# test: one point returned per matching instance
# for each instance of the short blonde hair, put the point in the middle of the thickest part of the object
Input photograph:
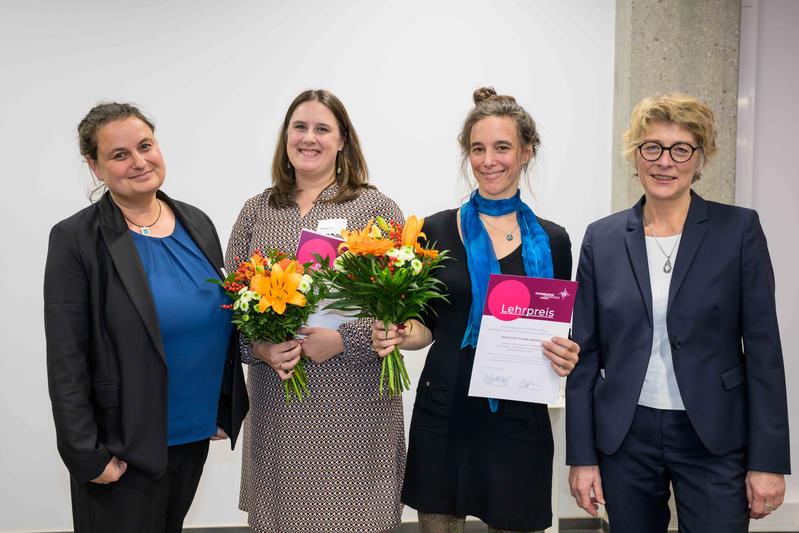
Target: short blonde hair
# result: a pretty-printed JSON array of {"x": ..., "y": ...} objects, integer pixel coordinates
[{"x": 681, "y": 109}]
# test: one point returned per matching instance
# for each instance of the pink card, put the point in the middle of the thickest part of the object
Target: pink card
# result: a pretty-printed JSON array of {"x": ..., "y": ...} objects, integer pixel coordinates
[{"x": 312, "y": 243}]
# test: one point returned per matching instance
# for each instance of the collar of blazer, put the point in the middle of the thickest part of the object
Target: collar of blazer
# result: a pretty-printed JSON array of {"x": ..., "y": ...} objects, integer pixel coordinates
[
  {"x": 693, "y": 232},
  {"x": 126, "y": 260}
]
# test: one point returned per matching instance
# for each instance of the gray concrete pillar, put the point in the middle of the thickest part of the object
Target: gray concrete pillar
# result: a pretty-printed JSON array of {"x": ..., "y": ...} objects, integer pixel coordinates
[{"x": 689, "y": 46}]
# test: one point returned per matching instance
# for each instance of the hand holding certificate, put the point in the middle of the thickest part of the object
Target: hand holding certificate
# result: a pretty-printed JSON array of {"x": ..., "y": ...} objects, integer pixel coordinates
[{"x": 519, "y": 314}]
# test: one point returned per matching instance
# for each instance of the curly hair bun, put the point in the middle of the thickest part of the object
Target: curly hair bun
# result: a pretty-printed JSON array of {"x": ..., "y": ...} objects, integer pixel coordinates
[
  {"x": 488, "y": 93},
  {"x": 482, "y": 94}
]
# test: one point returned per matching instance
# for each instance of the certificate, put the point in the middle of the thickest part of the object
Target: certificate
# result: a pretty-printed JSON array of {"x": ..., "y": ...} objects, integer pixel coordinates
[
  {"x": 312, "y": 242},
  {"x": 519, "y": 313}
]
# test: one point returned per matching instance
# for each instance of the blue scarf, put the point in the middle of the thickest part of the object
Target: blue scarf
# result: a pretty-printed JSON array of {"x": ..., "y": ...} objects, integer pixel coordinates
[{"x": 482, "y": 261}]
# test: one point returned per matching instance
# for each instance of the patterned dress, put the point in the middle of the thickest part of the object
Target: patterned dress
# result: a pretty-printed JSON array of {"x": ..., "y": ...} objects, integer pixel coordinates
[{"x": 334, "y": 462}]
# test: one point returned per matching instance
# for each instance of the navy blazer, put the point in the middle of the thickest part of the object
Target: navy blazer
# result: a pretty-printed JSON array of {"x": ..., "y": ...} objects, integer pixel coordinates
[
  {"x": 105, "y": 358},
  {"x": 722, "y": 325}
]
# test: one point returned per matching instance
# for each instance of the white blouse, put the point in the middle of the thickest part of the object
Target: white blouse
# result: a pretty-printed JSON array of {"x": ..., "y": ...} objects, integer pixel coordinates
[{"x": 660, "y": 389}]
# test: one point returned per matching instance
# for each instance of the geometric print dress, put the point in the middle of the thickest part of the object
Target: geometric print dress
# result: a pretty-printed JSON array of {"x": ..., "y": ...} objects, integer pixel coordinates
[{"x": 335, "y": 461}]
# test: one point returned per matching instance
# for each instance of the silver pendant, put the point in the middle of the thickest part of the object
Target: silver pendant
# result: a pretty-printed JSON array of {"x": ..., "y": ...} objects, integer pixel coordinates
[
  {"x": 667, "y": 266},
  {"x": 509, "y": 237},
  {"x": 145, "y": 230}
]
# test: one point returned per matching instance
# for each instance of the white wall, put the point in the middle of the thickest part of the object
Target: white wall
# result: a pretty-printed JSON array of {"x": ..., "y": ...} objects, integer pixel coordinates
[
  {"x": 217, "y": 80},
  {"x": 768, "y": 181}
]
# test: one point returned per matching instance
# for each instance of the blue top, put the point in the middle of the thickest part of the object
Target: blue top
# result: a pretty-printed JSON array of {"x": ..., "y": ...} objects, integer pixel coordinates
[{"x": 194, "y": 328}]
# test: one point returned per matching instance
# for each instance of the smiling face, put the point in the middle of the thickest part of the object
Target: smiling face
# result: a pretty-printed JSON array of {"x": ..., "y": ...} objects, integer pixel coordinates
[
  {"x": 496, "y": 157},
  {"x": 313, "y": 139},
  {"x": 664, "y": 180},
  {"x": 128, "y": 160}
]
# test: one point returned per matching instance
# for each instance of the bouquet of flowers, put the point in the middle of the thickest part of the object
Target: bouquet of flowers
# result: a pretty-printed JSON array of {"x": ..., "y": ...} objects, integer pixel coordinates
[
  {"x": 383, "y": 273},
  {"x": 273, "y": 297}
]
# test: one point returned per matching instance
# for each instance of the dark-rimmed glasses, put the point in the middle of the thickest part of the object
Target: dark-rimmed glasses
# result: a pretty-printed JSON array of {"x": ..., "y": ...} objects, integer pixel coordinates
[{"x": 679, "y": 152}]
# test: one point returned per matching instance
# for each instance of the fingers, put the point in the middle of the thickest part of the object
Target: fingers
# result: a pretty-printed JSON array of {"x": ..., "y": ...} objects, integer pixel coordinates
[
  {"x": 220, "y": 434},
  {"x": 765, "y": 492},
  {"x": 582, "y": 481},
  {"x": 385, "y": 339},
  {"x": 112, "y": 472},
  {"x": 562, "y": 353}
]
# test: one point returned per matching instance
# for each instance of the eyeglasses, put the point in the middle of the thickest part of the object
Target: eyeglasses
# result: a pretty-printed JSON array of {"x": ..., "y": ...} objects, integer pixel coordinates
[{"x": 679, "y": 152}]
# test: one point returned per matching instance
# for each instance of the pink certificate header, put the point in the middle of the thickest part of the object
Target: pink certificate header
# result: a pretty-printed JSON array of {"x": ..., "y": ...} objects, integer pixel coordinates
[{"x": 512, "y": 297}]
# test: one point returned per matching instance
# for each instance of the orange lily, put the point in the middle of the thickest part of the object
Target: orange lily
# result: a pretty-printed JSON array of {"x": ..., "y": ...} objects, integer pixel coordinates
[
  {"x": 364, "y": 242},
  {"x": 412, "y": 231},
  {"x": 279, "y": 289},
  {"x": 431, "y": 253},
  {"x": 257, "y": 263}
]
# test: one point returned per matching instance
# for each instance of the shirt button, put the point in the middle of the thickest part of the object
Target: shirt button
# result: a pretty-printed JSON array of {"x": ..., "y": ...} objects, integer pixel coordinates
[
  {"x": 426, "y": 383},
  {"x": 676, "y": 345}
]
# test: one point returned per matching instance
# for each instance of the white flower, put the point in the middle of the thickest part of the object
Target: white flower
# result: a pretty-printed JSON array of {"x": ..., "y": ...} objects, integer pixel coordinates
[
  {"x": 397, "y": 255},
  {"x": 338, "y": 264},
  {"x": 245, "y": 306},
  {"x": 416, "y": 266},
  {"x": 305, "y": 284},
  {"x": 406, "y": 253}
]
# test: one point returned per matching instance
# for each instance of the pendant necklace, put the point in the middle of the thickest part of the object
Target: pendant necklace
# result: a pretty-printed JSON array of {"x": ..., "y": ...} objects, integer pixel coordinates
[
  {"x": 508, "y": 236},
  {"x": 145, "y": 230},
  {"x": 667, "y": 265}
]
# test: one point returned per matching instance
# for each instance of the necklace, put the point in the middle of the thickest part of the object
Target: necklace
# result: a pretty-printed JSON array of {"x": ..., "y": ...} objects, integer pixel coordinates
[
  {"x": 145, "y": 230},
  {"x": 667, "y": 264},
  {"x": 508, "y": 236}
]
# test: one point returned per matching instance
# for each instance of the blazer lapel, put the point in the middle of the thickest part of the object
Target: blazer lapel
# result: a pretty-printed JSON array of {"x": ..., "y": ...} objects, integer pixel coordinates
[
  {"x": 200, "y": 231},
  {"x": 636, "y": 251},
  {"x": 128, "y": 266},
  {"x": 693, "y": 231}
]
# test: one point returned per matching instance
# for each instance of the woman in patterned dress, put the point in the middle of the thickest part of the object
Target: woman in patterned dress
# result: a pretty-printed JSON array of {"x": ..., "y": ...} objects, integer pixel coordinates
[
  {"x": 471, "y": 456},
  {"x": 333, "y": 462}
]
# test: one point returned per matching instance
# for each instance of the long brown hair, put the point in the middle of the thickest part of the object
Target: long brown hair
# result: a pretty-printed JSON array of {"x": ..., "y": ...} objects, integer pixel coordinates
[{"x": 354, "y": 175}]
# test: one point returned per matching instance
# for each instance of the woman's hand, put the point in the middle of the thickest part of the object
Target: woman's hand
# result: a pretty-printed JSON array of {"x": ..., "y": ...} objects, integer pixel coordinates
[
  {"x": 413, "y": 335},
  {"x": 282, "y": 357},
  {"x": 562, "y": 353},
  {"x": 385, "y": 339},
  {"x": 585, "y": 484},
  {"x": 220, "y": 434},
  {"x": 113, "y": 471},
  {"x": 321, "y": 344}
]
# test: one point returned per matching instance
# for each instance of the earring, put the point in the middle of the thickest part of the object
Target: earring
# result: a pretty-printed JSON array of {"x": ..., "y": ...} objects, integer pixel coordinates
[
  {"x": 288, "y": 165},
  {"x": 338, "y": 163}
]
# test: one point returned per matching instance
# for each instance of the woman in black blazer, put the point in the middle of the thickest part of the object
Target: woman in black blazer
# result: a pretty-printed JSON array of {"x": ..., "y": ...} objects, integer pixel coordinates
[
  {"x": 142, "y": 362},
  {"x": 468, "y": 455}
]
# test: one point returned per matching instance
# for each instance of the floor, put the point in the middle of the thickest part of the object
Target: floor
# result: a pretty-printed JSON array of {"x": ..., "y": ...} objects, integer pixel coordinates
[{"x": 588, "y": 525}]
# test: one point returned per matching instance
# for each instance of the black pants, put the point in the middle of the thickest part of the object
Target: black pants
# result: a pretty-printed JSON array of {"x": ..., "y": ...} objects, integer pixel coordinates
[
  {"x": 662, "y": 447},
  {"x": 139, "y": 504}
]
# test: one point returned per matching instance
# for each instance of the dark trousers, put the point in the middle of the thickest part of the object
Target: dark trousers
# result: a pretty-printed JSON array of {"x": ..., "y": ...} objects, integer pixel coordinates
[
  {"x": 663, "y": 447},
  {"x": 139, "y": 504}
]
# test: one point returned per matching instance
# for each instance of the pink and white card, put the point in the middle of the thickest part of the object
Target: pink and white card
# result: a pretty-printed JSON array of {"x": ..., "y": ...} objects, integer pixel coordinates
[
  {"x": 310, "y": 243},
  {"x": 519, "y": 313}
]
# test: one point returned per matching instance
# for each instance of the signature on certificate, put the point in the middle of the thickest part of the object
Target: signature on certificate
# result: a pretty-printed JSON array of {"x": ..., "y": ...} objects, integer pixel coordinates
[{"x": 497, "y": 380}]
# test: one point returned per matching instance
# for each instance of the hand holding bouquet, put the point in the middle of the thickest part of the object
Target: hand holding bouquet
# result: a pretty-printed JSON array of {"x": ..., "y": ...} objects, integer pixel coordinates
[
  {"x": 385, "y": 274},
  {"x": 272, "y": 298}
]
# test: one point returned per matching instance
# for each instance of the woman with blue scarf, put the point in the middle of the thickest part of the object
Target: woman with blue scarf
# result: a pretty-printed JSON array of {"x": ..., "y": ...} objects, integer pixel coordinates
[{"x": 467, "y": 455}]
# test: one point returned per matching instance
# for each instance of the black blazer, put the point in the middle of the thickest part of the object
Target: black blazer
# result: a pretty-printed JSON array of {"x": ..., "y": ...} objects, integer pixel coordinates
[
  {"x": 722, "y": 325},
  {"x": 105, "y": 359}
]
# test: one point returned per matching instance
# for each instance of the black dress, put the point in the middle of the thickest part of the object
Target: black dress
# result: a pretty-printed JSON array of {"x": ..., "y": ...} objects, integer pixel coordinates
[{"x": 462, "y": 458}]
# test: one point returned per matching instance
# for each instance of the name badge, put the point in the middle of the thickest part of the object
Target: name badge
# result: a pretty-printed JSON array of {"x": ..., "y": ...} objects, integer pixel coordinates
[{"x": 332, "y": 226}]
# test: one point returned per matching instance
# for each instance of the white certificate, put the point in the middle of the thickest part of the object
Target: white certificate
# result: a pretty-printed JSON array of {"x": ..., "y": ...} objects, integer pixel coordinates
[{"x": 519, "y": 313}]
